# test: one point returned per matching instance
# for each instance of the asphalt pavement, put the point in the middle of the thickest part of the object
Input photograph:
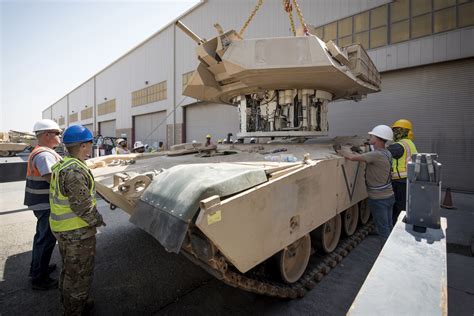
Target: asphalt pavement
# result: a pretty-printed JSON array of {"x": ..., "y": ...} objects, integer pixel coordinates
[{"x": 135, "y": 275}]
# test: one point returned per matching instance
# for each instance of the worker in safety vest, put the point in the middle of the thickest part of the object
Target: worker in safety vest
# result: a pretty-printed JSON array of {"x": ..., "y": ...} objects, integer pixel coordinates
[
  {"x": 74, "y": 218},
  {"x": 38, "y": 175},
  {"x": 121, "y": 148},
  {"x": 401, "y": 151}
]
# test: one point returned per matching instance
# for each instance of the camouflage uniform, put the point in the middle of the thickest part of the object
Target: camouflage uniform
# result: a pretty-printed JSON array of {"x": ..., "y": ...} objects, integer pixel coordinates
[{"x": 77, "y": 247}]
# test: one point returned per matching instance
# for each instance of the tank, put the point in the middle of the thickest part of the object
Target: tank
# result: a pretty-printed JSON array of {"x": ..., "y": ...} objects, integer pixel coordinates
[
  {"x": 273, "y": 217},
  {"x": 14, "y": 142}
]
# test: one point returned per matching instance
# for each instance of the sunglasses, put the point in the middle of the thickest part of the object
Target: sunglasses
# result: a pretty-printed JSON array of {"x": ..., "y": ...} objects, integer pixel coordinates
[{"x": 55, "y": 133}]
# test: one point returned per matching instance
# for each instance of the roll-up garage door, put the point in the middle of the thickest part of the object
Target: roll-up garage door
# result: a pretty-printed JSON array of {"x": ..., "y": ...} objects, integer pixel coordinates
[
  {"x": 438, "y": 99},
  {"x": 107, "y": 128},
  {"x": 150, "y": 128},
  {"x": 210, "y": 118},
  {"x": 90, "y": 127}
]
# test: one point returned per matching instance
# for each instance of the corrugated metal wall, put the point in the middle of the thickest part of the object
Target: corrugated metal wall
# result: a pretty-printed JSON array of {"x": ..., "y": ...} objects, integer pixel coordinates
[
  {"x": 438, "y": 99},
  {"x": 210, "y": 118},
  {"x": 150, "y": 128}
]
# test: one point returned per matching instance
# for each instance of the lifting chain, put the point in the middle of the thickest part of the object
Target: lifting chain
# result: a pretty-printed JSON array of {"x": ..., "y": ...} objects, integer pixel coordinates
[
  {"x": 289, "y": 9},
  {"x": 300, "y": 16},
  {"x": 249, "y": 19}
]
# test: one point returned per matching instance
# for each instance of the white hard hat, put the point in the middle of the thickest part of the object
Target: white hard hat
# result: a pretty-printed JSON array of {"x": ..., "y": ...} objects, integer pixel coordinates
[
  {"x": 119, "y": 140},
  {"x": 138, "y": 144},
  {"x": 382, "y": 131},
  {"x": 46, "y": 125}
]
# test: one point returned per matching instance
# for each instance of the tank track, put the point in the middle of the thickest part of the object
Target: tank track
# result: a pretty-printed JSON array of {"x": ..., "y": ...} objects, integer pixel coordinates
[{"x": 318, "y": 267}]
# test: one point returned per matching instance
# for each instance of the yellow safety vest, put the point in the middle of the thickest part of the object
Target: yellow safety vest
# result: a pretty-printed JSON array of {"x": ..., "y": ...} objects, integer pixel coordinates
[
  {"x": 399, "y": 166},
  {"x": 62, "y": 218}
]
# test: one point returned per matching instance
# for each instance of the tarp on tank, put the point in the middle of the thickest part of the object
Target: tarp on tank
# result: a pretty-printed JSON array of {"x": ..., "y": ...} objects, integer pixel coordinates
[{"x": 171, "y": 201}]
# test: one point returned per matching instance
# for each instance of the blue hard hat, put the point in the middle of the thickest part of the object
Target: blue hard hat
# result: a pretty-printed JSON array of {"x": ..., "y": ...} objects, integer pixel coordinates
[{"x": 77, "y": 134}]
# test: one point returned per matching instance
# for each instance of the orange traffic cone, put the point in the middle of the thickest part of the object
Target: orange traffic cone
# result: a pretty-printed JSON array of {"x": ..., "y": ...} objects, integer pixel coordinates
[{"x": 448, "y": 200}]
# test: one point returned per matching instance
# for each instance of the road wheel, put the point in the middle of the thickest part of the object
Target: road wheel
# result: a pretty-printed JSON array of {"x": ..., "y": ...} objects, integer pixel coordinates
[
  {"x": 364, "y": 212},
  {"x": 293, "y": 260},
  {"x": 350, "y": 219},
  {"x": 327, "y": 235}
]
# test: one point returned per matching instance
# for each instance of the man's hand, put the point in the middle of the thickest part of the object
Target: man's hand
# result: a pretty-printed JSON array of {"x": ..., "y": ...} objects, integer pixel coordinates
[{"x": 336, "y": 147}]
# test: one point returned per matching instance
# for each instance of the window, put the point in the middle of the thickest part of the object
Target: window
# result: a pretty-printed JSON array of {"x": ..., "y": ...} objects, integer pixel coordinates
[
  {"x": 86, "y": 114},
  {"x": 441, "y": 4},
  {"x": 330, "y": 31},
  {"x": 362, "y": 39},
  {"x": 399, "y": 10},
  {"x": 419, "y": 7},
  {"x": 154, "y": 93},
  {"x": 345, "y": 41},
  {"x": 445, "y": 20},
  {"x": 378, "y": 17},
  {"x": 361, "y": 22},
  {"x": 106, "y": 107},
  {"x": 345, "y": 27},
  {"x": 378, "y": 37},
  {"x": 73, "y": 117},
  {"x": 404, "y": 19},
  {"x": 466, "y": 14},
  {"x": 187, "y": 76},
  {"x": 319, "y": 32},
  {"x": 400, "y": 32},
  {"x": 421, "y": 26}
]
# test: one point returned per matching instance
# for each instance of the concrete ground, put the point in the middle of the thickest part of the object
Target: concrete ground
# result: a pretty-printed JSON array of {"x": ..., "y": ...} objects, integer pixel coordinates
[{"x": 135, "y": 275}]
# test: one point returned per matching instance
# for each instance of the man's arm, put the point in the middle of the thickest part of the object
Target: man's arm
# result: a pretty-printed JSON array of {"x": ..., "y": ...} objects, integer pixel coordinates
[
  {"x": 80, "y": 199},
  {"x": 350, "y": 155},
  {"x": 47, "y": 177},
  {"x": 396, "y": 150}
]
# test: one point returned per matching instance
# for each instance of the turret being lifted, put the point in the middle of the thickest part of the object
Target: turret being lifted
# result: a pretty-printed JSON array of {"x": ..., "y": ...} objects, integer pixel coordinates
[{"x": 282, "y": 86}]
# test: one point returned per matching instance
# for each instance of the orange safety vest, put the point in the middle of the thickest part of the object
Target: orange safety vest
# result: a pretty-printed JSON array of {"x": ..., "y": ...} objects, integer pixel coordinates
[{"x": 37, "y": 188}]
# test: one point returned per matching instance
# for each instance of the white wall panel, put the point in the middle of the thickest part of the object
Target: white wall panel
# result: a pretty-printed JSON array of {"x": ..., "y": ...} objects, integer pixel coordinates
[
  {"x": 59, "y": 109},
  {"x": 46, "y": 114},
  {"x": 80, "y": 98},
  {"x": 467, "y": 42},
  {"x": 414, "y": 54},
  {"x": 453, "y": 43}
]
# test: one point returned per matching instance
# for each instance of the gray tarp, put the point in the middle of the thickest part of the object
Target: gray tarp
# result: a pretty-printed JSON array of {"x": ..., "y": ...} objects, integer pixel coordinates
[{"x": 171, "y": 201}]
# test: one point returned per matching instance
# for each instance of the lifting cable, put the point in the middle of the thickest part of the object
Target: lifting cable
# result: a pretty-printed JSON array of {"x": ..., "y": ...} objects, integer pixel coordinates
[
  {"x": 288, "y": 7},
  {"x": 249, "y": 19},
  {"x": 300, "y": 16}
]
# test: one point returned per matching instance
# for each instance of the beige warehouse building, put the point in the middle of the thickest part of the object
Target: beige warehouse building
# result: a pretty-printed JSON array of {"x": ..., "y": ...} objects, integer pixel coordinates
[{"x": 423, "y": 48}]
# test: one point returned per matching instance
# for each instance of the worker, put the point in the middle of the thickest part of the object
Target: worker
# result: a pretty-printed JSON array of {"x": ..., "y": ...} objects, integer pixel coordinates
[
  {"x": 38, "y": 175},
  {"x": 378, "y": 178},
  {"x": 121, "y": 148},
  {"x": 138, "y": 147},
  {"x": 208, "y": 140},
  {"x": 74, "y": 218},
  {"x": 401, "y": 151}
]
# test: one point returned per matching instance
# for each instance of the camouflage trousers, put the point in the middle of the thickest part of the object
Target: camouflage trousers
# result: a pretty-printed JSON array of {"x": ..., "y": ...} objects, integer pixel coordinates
[{"x": 77, "y": 272}]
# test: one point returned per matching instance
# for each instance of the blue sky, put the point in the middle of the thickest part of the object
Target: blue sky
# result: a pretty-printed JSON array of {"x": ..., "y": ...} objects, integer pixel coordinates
[{"x": 47, "y": 48}]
